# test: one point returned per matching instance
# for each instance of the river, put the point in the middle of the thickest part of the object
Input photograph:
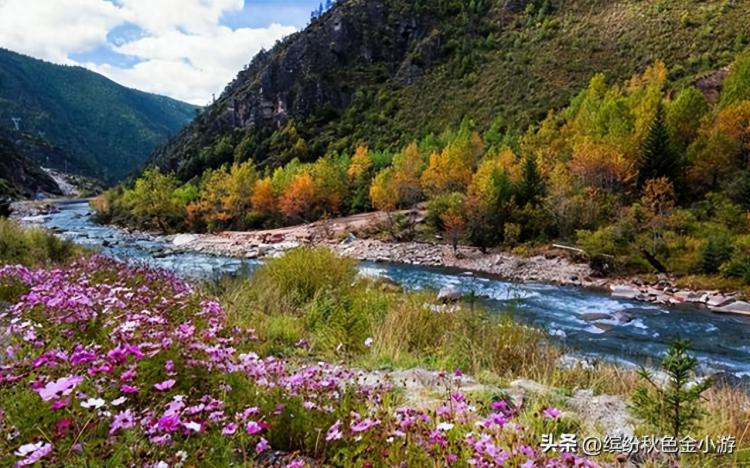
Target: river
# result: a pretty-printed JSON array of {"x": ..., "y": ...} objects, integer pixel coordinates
[{"x": 721, "y": 342}]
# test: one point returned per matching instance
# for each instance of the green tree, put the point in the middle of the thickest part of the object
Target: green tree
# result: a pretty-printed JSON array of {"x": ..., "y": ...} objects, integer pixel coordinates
[
  {"x": 658, "y": 158},
  {"x": 673, "y": 407},
  {"x": 684, "y": 115},
  {"x": 737, "y": 85},
  {"x": 531, "y": 187}
]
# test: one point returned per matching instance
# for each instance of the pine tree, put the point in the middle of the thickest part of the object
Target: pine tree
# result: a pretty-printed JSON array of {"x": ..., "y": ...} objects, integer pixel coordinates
[
  {"x": 531, "y": 188},
  {"x": 658, "y": 158},
  {"x": 673, "y": 407}
]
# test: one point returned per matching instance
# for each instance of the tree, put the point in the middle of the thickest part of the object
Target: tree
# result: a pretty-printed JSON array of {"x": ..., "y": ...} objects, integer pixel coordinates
[
  {"x": 451, "y": 170},
  {"x": 531, "y": 187},
  {"x": 383, "y": 191},
  {"x": 684, "y": 116},
  {"x": 737, "y": 84},
  {"x": 299, "y": 200},
  {"x": 658, "y": 158},
  {"x": 360, "y": 164},
  {"x": 407, "y": 170},
  {"x": 263, "y": 200},
  {"x": 225, "y": 197},
  {"x": 454, "y": 223},
  {"x": 329, "y": 181},
  {"x": 659, "y": 200},
  {"x": 672, "y": 408}
]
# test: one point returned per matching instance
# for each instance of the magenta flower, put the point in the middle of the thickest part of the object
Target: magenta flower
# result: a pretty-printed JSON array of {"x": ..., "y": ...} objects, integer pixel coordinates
[
  {"x": 124, "y": 388},
  {"x": 229, "y": 429},
  {"x": 166, "y": 385},
  {"x": 552, "y": 413},
  {"x": 262, "y": 446},
  {"x": 296, "y": 463},
  {"x": 253, "y": 428}
]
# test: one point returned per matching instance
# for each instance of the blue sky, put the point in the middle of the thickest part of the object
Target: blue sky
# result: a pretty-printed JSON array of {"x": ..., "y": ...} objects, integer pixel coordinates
[{"x": 186, "y": 49}]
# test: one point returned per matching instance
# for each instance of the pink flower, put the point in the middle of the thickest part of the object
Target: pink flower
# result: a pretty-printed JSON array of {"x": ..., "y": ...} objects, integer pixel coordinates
[
  {"x": 128, "y": 388},
  {"x": 229, "y": 429},
  {"x": 364, "y": 425},
  {"x": 61, "y": 387},
  {"x": 262, "y": 446},
  {"x": 32, "y": 453},
  {"x": 166, "y": 385},
  {"x": 253, "y": 428},
  {"x": 334, "y": 432},
  {"x": 123, "y": 420},
  {"x": 297, "y": 463},
  {"x": 552, "y": 413}
]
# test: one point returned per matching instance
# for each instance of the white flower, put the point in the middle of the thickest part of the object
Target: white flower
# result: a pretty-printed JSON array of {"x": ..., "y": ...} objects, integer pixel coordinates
[
  {"x": 93, "y": 403},
  {"x": 444, "y": 426},
  {"x": 28, "y": 448},
  {"x": 193, "y": 426},
  {"x": 119, "y": 401},
  {"x": 368, "y": 342}
]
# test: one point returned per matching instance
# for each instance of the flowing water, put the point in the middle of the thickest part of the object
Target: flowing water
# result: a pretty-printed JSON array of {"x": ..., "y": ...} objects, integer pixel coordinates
[{"x": 722, "y": 342}]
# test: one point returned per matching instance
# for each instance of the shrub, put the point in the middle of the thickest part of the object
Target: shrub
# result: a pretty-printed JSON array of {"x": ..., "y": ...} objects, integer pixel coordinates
[{"x": 32, "y": 246}]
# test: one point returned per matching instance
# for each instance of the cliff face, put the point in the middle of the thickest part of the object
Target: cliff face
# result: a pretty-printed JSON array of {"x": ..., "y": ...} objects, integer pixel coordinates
[
  {"x": 385, "y": 72},
  {"x": 316, "y": 73}
]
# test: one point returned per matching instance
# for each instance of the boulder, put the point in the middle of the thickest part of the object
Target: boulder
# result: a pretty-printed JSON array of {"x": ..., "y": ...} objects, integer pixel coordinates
[
  {"x": 737, "y": 307},
  {"x": 718, "y": 301},
  {"x": 183, "y": 239},
  {"x": 593, "y": 317},
  {"x": 449, "y": 294},
  {"x": 624, "y": 291}
]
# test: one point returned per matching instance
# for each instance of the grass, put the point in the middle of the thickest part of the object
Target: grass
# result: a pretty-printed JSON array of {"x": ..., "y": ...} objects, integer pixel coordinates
[{"x": 31, "y": 247}]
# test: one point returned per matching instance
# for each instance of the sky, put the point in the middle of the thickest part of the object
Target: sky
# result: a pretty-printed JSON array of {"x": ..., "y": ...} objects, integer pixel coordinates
[{"x": 185, "y": 49}]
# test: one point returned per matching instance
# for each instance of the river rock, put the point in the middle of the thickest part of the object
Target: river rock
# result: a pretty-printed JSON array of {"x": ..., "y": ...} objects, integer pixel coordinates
[
  {"x": 737, "y": 307},
  {"x": 623, "y": 317},
  {"x": 449, "y": 294},
  {"x": 718, "y": 301},
  {"x": 624, "y": 291},
  {"x": 593, "y": 317}
]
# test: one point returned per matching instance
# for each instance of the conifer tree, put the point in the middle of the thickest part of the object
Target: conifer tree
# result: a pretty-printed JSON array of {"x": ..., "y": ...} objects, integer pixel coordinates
[
  {"x": 531, "y": 188},
  {"x": 658, "y": 158},
  {"x": 672, "y": 407}
]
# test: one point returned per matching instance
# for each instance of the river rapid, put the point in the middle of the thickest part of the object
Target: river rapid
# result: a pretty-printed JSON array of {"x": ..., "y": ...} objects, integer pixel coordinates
[{"x": 721, "y": 342}]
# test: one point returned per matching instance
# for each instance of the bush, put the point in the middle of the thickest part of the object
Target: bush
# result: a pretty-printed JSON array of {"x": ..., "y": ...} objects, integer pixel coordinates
[
  {"x": 32, "y": 246},
  {"x": 300, "y": 274},
  {"x": 714, "y": 253}
]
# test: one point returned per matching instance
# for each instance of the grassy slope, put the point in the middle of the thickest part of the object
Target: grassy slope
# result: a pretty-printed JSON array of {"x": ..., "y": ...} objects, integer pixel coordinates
[
  {"x": 110, "y": 129},
  {"x": 541, "y": 66}
]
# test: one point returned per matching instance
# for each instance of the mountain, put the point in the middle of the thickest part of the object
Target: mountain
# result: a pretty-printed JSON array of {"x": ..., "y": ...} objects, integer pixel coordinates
[
  {"x": 386, "y": 72},
  {"x": 107, "y": 129},
  {"x": 19, "y": 175}
]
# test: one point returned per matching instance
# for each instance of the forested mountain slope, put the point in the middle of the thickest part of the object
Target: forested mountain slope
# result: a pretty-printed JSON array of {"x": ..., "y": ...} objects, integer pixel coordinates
[
  {"x": 108, "y": 130},
  {"x": 388, "y": 71}
]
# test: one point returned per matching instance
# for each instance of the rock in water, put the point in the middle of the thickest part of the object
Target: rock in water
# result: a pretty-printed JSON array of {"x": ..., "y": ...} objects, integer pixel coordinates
[
  {"x": 623, "y": 317},
  {"x": 593, "y": 317},
  {"x": 449, "y": 294},
  {"x": 737, "y": 307},
  {"x": 624, "y": 292}
]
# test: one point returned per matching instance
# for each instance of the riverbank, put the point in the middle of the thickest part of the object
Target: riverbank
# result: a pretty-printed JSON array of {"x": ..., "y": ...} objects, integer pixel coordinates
[
  {"x": 349, "y": 236},
  {"x": 555, "y": 266}
]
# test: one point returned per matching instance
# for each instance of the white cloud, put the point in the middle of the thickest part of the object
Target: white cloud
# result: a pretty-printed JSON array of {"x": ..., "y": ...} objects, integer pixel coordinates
[
  {"x": 184, "y": 52},
  {"x": 51, "y": 29}
]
